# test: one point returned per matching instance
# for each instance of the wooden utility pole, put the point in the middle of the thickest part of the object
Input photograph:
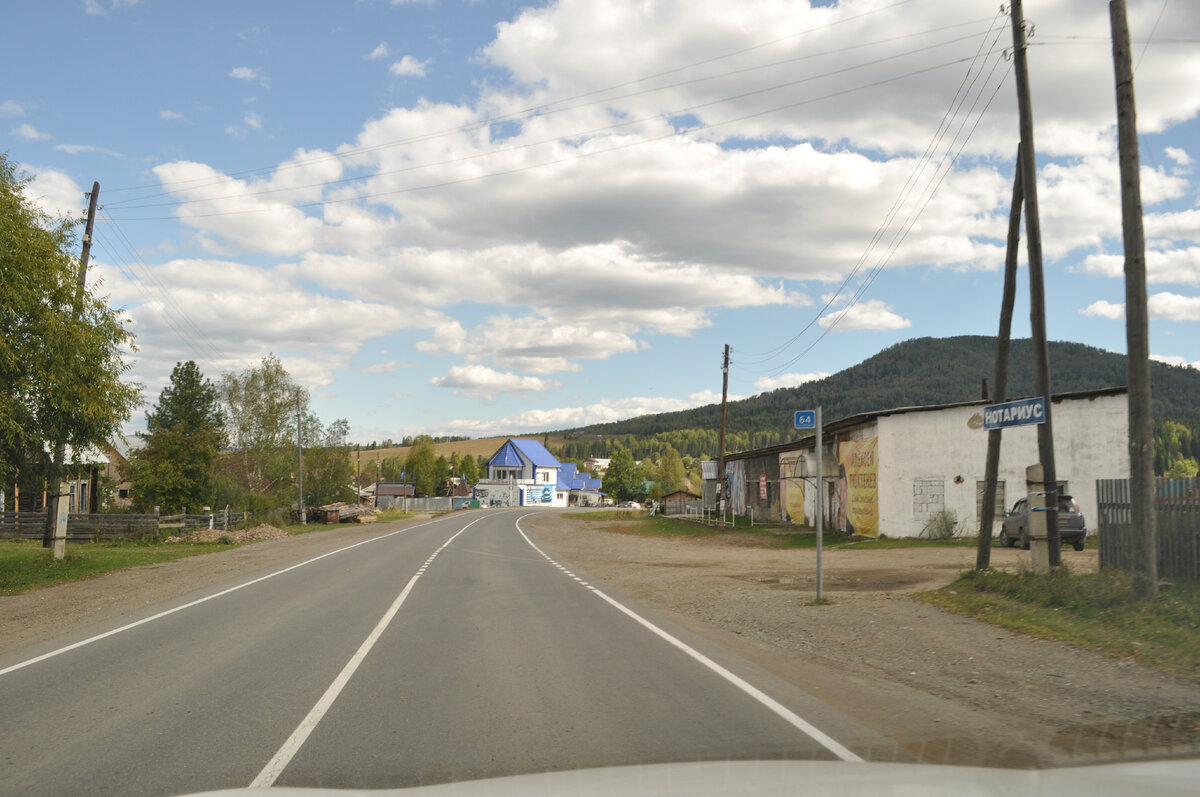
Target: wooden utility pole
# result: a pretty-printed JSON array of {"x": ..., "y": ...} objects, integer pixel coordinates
[
  {"x": 300, "y": 462},
  {"x": 983, "y": 555},
  {"x": 54, "y": 533},
  {"x": 721, "y": 482},
  {"x": 1037, "y": 292},
  {"x": 1137, "y": 323}
]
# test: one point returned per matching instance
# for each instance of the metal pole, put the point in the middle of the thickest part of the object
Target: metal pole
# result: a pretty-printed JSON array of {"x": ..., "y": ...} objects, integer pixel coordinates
[
  {"x": 722, "y": 487},
  {"x": 820, "y": 506}
]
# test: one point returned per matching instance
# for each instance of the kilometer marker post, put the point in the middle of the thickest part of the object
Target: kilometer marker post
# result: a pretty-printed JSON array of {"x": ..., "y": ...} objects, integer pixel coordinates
[{"x": 811, "y": 419}]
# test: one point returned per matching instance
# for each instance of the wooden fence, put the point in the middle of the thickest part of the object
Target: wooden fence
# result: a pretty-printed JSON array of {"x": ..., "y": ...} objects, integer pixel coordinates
[
  {"x": 1177, "y": 518},
  {"x": 93, "y": 528}
]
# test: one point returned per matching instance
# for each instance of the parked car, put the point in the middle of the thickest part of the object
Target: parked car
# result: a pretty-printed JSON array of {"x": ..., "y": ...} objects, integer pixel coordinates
[
  {"x": 1071, "y": 526},
  {"x": 629, "y": 505}
]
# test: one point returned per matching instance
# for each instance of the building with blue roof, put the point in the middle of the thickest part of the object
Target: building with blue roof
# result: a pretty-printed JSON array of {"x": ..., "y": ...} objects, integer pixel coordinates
[{"x": 523, "y": 473}]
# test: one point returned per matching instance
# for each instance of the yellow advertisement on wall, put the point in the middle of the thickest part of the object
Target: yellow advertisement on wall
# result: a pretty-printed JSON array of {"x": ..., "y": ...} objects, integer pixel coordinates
[
  {"x": 791, "y": 489},
  {"x": 858, "y": 487}
]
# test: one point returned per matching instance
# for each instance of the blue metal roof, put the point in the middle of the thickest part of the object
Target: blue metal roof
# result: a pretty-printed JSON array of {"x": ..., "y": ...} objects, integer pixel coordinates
[
  {"x": 507, "y": 457},
  {"x": 535, "y": 452}
]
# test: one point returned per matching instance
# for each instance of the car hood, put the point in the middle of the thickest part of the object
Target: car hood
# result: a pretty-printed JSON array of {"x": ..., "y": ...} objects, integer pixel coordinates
[{"x": 801, "y": 777}]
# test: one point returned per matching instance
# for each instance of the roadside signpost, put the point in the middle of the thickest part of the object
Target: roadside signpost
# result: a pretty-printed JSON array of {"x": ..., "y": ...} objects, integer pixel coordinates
[
  {"x": 811, "y": 419},
  {"x": 1022, "y": 412}
]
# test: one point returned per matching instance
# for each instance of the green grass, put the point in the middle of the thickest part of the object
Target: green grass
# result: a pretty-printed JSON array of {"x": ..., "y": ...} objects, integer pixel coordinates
[
  {"x": 1094, "y": 611},
  {"x": 25, "y": 564}
]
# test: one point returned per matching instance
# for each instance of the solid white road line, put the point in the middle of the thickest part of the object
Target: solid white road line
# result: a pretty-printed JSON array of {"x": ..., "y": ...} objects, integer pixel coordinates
[
  {"x": 197, "y": 602},
  {"x": 287, "y": 752},
  {"x": 803, "y": 725}
]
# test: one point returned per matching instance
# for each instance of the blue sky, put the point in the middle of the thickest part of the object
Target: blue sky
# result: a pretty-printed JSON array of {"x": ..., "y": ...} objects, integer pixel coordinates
[{"x": 480, "y": 218}]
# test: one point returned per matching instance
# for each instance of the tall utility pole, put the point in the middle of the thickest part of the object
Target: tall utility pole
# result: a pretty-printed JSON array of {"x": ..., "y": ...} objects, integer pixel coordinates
[
  {"x": 300, "y": 462},
  {"x": 721, "y": 486},
  {"x": 1137, "y": 325},
  {"x": 983, "y": 554},
  {"x": 54, "y": 533},
  {"x": 1037, "y": 293}
]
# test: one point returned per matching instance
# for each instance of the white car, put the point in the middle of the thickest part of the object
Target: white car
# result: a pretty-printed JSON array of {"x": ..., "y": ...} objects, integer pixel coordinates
[{"x": 629, "y": 505}]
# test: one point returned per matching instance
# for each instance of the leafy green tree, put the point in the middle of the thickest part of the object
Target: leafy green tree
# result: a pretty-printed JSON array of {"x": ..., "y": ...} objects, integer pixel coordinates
[
  {"x": 422, "y": 466},
  {"x": 260, "y": 406},
  {"x": 184, "y": 435},
  {"x": 441, "y": 474},
  {"x": 60, "y": 344},
  {"x": 328, "y": 470},
  {"x": 469, "y": 470},
  {"x": 672, "y": 475},
  {"x": 623, "y": 479}
]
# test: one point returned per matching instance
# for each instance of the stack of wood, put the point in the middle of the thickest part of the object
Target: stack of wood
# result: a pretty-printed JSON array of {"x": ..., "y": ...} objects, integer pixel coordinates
[{"x": 341, "y": 513}]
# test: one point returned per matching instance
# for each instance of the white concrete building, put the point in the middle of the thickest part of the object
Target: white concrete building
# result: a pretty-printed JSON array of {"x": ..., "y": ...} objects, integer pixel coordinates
[{"x": 892, "y": 472}]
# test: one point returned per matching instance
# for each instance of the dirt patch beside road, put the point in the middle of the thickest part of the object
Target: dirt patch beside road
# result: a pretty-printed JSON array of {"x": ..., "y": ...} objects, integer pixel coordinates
[{"x": 945, "y": 688}]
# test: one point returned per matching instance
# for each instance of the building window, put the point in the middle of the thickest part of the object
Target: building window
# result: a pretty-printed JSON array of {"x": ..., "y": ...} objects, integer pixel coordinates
[
  {"x": 1001, "y": 501},
  {"x": 929, "y": 498}
]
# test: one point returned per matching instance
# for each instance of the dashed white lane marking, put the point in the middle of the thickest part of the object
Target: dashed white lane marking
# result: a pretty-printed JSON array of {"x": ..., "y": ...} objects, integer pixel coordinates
[
  {"x": 789, "y": 716},
  {"x": 284, "y": 756},
  {"x": 197, "y": 602}
]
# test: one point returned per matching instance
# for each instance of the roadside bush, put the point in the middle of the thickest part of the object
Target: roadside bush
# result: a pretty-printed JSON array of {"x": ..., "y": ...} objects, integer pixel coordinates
[{"x": 941, "y": 526}]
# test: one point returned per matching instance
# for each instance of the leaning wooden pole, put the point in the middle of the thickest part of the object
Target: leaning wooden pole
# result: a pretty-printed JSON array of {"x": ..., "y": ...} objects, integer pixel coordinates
[
  {"x": 1037, "y": 290},
  {"x": 1137, "y": 323},
  {"x": 983, "y": 556}
]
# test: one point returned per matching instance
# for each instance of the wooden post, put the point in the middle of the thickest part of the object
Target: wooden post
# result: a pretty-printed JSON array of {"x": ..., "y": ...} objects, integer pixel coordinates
[
  {"x": 721, "y": 484},
  {"x": 983, "y": 555},
  {"x": 1037, "y": 293},
  {"x": 1137, "y": 324}
]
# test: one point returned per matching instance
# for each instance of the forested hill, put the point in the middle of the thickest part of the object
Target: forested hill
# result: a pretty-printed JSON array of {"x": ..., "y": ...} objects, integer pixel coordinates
[{"x": 920, "y": 372}]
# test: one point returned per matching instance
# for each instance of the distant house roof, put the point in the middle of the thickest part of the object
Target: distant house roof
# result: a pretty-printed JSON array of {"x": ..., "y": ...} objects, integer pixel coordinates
[
  {"x": 396, "y": 489},
  {"x": 517, "y": 451},
  {"x": 686, "y": 493},
  {"x": 569, "y": 478}
]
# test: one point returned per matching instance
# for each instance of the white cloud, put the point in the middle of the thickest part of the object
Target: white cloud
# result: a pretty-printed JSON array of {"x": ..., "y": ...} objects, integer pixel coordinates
[
  {"x": 380, "y": 51},
  {"x": 386, "y": 367},
  {"x": 30, "y": 133},
  {"x": 408, "y": 66},
  {"x": 1173, "y": 307},
  {"x": 1164, "y": 306},
  {"x": 55, "y": 192},
  {"x": 478, "y": 380},
  {"x": 249, "y": 74},
  {"x": 1179, "y": 266},
  {"x": 1103, "y": 309},
  {"x": 1178, "y": 155},
  {"x": 768, "y": 383},
  {"x": 871, "y": 314},
  {"x": 169, "y": 114},
  {"x": 252, "y": 119},
  {"x": 11, "y": 108},
  {"x": 1174, "y": 359},
  {"x": 76, "y": 149}
]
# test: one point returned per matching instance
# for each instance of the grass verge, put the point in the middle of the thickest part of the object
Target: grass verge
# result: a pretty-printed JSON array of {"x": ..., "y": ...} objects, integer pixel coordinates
[
  {"x": 25, "y": 564},
  {"x": 1094, "y": 611}
]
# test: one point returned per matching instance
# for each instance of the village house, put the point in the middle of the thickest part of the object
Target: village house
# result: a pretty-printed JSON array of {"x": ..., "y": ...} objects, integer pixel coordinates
[{"x": 895, "y": 472}]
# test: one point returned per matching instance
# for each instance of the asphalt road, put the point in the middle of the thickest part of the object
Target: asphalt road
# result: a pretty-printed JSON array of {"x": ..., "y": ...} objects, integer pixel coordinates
[{"x": 452, "y": 650}]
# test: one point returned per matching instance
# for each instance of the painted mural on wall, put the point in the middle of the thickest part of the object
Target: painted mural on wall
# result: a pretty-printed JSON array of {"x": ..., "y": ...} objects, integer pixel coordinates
[
  {"x": 791, "y": 489},
  {"x": 858, "y": 487},
  {"x": 537, "y": 495},
  {"x": 736, "y": 471}
]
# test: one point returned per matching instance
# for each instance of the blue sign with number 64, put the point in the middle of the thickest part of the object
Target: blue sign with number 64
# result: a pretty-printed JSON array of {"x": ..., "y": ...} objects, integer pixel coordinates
[{"x": 806, "y": 419}]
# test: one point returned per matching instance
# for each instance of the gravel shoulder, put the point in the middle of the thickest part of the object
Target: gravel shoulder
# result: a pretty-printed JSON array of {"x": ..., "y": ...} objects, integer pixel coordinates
[{"x": 945, "y": 688}]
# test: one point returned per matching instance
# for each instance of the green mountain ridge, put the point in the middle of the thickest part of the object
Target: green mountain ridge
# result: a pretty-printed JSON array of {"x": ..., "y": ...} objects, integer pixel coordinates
[{"x": 917, "y": 372}]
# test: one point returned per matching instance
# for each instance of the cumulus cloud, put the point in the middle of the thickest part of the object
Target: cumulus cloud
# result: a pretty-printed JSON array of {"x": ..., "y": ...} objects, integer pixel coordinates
[
  {"x": 479, "y": 380},
  {"x": 381, "y": 51},
  {"x": 1178, "y": 155},
  {"x": 1103, "y": 309},
  {"x": 55, "y": 192},
  {"x": 1174, "y": 359},
  {"x": 768, "y": 383},
  {"x": 30, "y": 133},
  {"x": 11, "y": 108},
  {"x": 408, "y": 66},
  {"x": 871, "y": 314},
  {"x": 1164, "y": 306},
  {"x": 169, "y": 114}
]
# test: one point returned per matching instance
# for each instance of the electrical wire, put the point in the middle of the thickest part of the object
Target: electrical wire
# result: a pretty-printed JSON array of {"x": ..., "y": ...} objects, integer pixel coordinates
[{"x": 955, "y": 104}]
